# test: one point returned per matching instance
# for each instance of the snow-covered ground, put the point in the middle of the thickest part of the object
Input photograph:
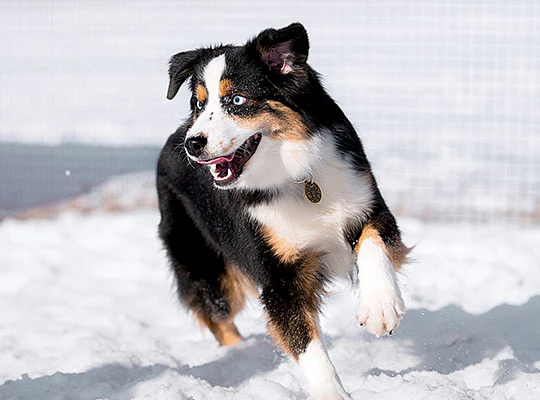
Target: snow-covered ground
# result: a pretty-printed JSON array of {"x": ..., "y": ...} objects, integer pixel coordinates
[{"x": 88, "y": 311}]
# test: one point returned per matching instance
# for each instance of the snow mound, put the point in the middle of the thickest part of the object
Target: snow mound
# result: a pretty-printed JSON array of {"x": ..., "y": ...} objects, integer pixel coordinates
[{"x": 128, "y": 192}]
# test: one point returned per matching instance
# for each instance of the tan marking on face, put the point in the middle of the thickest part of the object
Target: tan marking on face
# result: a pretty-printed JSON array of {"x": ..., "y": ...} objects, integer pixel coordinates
[
  {"x": 397, "y": 252},
  {"x": 227, "y": 149},
  {"x": 285, "y": 125},
  {"x": 226, "y": 87},
  {"x": 201, "y": 93}
]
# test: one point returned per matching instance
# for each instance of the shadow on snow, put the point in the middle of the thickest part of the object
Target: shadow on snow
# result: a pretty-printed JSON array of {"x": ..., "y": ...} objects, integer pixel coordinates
[
  {"x": 445, "y": 340},
  {"x": 239, "y": 365},
  {"x": 450, "y": 339}
]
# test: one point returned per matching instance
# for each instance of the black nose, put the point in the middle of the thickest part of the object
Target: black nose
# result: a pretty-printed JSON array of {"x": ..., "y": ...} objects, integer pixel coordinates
[{"x": 195, "y": 145}]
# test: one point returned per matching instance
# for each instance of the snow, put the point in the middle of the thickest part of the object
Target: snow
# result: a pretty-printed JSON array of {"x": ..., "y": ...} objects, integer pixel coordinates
[
  {"x": 89, "y": 312},
  {"x": 443, "y": 93}
]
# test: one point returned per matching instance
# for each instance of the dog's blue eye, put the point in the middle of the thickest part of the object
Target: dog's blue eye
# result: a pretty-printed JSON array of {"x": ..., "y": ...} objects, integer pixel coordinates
[
  {"x": 200, "y": 104},
  {"x": 238, "y": 100}
]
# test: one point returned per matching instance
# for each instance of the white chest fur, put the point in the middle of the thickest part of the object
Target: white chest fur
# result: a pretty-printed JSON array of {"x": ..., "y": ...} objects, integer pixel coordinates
[{"x": 346, "y": 197}]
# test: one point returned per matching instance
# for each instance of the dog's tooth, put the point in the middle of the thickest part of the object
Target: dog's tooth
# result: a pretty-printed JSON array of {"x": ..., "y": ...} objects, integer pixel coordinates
[{"x": 213, "y": 169}]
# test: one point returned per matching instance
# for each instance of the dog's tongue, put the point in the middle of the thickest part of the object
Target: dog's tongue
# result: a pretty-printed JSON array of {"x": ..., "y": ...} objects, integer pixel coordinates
[
  {"x": 219, "y": 160},
  {"x": 222, "y": 168}
]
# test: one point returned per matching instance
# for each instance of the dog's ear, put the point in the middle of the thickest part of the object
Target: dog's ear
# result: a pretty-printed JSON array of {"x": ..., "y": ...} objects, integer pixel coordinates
[
  {"x": 283, "y": 50},
  {"x": 181, "y": 67}
]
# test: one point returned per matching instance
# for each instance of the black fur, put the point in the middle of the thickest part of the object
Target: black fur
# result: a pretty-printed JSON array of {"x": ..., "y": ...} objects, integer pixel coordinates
[{"x": 204, "y": 228}]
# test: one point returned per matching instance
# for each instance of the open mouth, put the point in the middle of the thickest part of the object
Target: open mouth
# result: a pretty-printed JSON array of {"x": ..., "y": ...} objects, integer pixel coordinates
[{"x": 228, "y": 169}]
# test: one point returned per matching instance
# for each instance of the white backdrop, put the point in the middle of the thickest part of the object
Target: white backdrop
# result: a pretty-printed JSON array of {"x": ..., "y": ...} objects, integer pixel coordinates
[{"x": 444, "y": 94}]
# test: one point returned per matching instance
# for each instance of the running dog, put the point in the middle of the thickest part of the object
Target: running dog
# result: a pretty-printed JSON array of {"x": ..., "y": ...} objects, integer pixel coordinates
[{"x": 266, "y": 185}]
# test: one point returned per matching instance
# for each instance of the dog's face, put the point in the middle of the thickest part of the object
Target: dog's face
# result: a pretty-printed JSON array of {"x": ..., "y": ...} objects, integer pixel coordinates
[{"x": 246, "y": 122}]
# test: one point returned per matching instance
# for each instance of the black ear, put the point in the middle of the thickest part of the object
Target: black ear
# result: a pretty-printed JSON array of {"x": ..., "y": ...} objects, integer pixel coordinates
[
  {"x": 283, "y": 50},
  {"x": 180, "y": 68}
]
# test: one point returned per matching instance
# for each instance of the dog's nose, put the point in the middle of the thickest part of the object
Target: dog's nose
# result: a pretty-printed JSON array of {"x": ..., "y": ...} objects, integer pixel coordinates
[{"x": 195, "y": 145}]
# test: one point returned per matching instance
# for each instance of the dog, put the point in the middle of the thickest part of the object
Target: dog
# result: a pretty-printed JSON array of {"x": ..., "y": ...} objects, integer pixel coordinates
[{"x": 266, "y": 188}]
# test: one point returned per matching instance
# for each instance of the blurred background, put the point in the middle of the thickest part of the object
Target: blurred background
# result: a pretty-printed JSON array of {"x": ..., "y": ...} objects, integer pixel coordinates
[{"x": 444, "y": 94}]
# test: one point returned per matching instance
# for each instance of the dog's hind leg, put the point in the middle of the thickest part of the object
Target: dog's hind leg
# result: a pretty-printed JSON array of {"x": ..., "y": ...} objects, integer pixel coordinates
[
  {"x": 291, "y": 298},
  {"x": 225, "y": 300},
  {"x": 211, "y": 289},
  {"x": 380, "y": 254}
]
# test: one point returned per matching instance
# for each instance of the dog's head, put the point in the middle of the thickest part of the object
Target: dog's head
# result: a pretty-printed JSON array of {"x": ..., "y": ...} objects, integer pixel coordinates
[{"x": 249, "y": 123}]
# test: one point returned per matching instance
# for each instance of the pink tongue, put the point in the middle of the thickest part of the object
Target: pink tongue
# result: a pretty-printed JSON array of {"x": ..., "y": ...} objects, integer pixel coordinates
[{"x": 219, "y": 160}]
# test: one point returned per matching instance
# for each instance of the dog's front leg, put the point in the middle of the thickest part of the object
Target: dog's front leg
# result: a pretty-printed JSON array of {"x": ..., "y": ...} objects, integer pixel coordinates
[
  {"x": 291, "y": 299},
  {"x": 322, "y": 378},
  {"x": 380, "y": 254}
]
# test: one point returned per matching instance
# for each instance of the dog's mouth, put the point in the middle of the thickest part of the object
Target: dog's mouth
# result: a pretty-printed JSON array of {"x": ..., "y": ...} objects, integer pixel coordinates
[{"x": 227, "y": 169}]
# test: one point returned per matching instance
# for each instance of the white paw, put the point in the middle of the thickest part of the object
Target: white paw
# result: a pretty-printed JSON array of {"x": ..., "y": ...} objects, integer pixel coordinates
[
  {"x": 380, "y": 312},
  {"x": 381, "y": 305}
]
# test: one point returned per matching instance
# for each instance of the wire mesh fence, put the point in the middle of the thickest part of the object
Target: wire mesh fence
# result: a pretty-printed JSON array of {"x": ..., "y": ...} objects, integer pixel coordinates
[
  {"x": 444, "y": 94},
  {"x": 447, "y": 96}
]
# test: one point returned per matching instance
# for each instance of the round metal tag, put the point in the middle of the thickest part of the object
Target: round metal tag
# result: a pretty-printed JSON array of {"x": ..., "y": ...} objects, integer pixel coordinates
[{"x": 313, "y": 192}]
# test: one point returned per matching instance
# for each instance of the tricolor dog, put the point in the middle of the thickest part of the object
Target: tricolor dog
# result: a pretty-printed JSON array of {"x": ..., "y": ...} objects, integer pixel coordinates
[{"x": 266, "y": 185}]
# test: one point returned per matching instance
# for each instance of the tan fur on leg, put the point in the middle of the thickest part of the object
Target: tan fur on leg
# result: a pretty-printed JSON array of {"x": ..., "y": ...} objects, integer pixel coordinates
[
  {"x": 235, "y": 286},
  {"x": 397, "y": 252},
  {"x": 226, "y": 333}
]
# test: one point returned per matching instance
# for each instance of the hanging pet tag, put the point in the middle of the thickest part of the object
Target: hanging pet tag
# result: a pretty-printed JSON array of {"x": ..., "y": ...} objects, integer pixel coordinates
[{"x": 313, "y": 192}]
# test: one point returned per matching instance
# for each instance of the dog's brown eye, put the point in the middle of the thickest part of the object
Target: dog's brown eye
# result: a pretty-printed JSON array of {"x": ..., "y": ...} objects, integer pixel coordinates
[{"x": 200, "y": 104}]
